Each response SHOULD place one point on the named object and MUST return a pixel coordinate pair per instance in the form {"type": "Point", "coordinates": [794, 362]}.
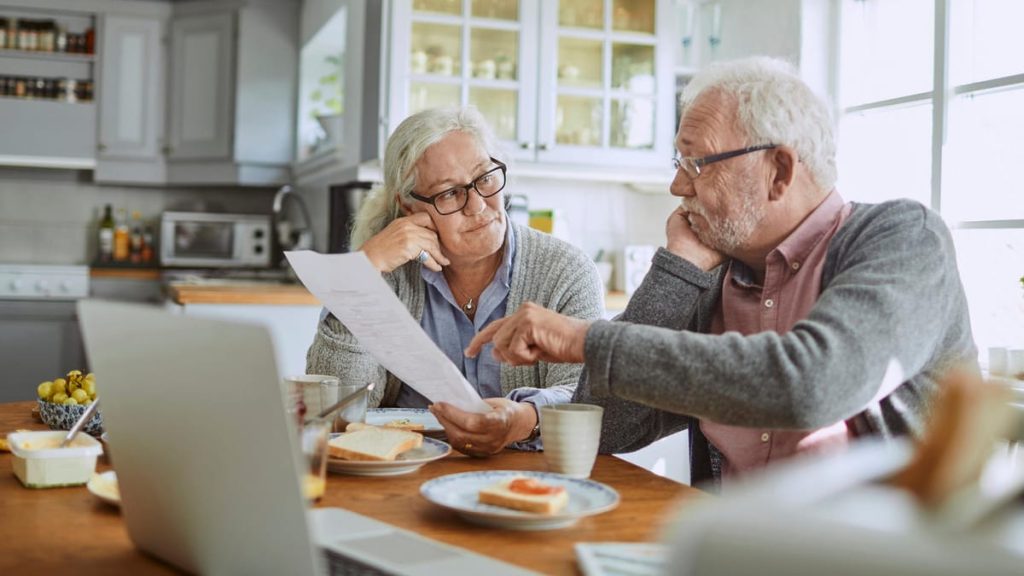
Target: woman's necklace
{"type": "Point", "coordinates": [470, 307]}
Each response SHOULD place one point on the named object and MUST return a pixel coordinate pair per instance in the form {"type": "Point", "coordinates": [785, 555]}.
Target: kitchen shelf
{"type": "Point", "coordinates": [55, 56]}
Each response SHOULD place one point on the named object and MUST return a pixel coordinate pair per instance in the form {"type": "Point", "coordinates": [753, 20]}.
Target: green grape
{"type": "Point", "coordinates": [80, 395]}
{"type": "Point", "coordinates": [72, 386]}
{"type": "Point", "coordinates": [45, 390]}
{"type": "Point", "coordinates": [58, 398]}
{"type": "Point", "coordinates": [90, 376]}
{"type": "Point", "coordinates": [90, 388]}
{"type": "Point", "coordinates": [74, 374]}
{"type": "Point", "coordinates": [59, 385]}
{"type": "Point", "coordinates": [70, 402]}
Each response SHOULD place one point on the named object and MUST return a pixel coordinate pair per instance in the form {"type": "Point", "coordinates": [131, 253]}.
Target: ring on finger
{"type": "Point", "coordinates": [468, 446]}
{"type": "Point", "coordinates": [423, 255]}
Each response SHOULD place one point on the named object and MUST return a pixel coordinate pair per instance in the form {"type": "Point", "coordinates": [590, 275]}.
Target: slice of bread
{"type": "Point", "coordinates": [402, 424]}
{"type": "Point", "coordinates": [372, 443]}
{"type": "Point", "coordinates": [500, 495]}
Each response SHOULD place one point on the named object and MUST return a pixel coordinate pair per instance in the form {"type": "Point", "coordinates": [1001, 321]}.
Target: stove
{"type": "Point", "coordinates": [39, 325]}
{"type": "Point", "coordinates": [41, 282]}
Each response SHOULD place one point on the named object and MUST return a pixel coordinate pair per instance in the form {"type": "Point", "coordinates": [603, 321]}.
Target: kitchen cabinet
{"type": "Point", "coordinates": [232, 97]}
{"type": "Point", "coordinates": [573, 81]}
{"type": "Point", "coordinates": [131, 102]}
{"type": "Point", "coordinates": [41, 90]}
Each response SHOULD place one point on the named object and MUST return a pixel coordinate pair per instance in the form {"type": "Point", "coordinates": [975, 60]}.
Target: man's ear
{"type": "Point", "coordinates": [784, 160]}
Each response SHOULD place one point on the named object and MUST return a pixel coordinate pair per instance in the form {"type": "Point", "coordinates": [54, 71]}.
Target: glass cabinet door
{"type": "Point", "coordinates": [479, 52]}
{"type": "Point", "coordinates": [600, 86]}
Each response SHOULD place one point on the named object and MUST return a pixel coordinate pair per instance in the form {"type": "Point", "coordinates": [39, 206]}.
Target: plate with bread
{"type": "Point", "coordinates": [365, 450]}
{"type": "Point", "coordinates": [520, 500]}
{"type": "Point", "coordinates": [414, 419]}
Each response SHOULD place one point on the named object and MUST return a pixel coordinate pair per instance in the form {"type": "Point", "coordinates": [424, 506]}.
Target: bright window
{"type": "Point", "coordinates": [918, 99]}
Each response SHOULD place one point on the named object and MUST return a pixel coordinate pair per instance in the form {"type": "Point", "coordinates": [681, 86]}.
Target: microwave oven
{"type": "Point", "coordinates": [200, 239]}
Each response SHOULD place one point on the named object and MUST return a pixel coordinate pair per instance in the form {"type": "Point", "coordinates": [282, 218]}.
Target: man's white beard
{"type": "Point", "coordinates": [727, 235]}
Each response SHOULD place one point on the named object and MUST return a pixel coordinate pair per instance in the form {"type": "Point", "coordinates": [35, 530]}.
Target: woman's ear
{"type": "Point", "coordinates": [784, 160]}
{"type": "Point", "coordinates": [403, 208]}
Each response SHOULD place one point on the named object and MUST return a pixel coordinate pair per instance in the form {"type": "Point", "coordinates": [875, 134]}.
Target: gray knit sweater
{"type": "Point", "coordinates": [545, 271]}
{"type": "Point", "coordinates": [889, 289]}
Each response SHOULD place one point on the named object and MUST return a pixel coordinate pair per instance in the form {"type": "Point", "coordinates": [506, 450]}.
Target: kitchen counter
{"type": "Point", "coordinates": [240, 292]}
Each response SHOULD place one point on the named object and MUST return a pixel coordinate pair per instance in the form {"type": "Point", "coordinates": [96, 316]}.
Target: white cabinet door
{"type": "Point", "coordinates": [131, 88]}
{"type": "Point", "coordinates": [202, 86]}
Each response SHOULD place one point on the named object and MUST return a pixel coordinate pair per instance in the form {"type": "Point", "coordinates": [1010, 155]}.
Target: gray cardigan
{"type": "Point", "coordinates": [889, 289]}
{"type": "Point", "coordinates": [545, 270]}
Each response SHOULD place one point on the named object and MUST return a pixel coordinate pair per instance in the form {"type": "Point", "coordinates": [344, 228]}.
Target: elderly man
{"type": "Point", "coordinates": [778, 319]}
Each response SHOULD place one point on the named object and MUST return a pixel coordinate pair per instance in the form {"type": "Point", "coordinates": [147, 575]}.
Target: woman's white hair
{"type": "Point", "coordinates": [404, 148]}
{"type": "Point", "coordinates": [774, 107]}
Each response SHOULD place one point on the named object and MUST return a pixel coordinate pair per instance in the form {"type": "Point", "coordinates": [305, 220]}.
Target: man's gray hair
{"type": "Point", "coordinates": [774, 107]}
{"type": "Point", "coordinates": [404, 148]}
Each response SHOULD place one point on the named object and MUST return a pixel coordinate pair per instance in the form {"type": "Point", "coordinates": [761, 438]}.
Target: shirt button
{"type": "Point", "coordinates": [769, 303]}
{"type": "Point", "coordinates": [766, 437]}
{"type": "Point", "coordinates": [795, 265]}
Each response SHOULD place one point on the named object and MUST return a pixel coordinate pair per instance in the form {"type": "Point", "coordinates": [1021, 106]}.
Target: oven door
{"type": "Point", "coordinates": [40, 341]}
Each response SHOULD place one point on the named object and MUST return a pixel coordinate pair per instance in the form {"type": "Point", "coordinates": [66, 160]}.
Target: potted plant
{"type": "Point", "coordinates": [327, 99]}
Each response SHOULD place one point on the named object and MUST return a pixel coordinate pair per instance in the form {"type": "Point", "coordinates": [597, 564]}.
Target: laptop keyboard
{"type": "Point", "coordinates": [338, 565]}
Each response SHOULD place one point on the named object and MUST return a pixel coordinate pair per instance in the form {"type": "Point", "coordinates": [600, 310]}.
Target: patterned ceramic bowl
{"type": "Point", "coordinates": [61, 417]}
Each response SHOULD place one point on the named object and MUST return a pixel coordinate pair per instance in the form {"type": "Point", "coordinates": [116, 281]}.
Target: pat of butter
{"type": "Point", "coordinates": [39, 463]}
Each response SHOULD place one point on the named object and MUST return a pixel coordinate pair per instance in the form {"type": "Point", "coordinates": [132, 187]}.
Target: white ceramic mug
{"type": "Point", "coordinates": [307, 387]}
{"type": "Point", "coordinates": [571, 434]}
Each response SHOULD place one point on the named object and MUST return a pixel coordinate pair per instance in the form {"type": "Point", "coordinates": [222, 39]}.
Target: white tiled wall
{"type": "Point", "coordinates": [50, 216]}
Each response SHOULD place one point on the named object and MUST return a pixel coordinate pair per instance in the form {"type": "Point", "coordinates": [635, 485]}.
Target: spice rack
{"type": "Point", "coordinates": [46, 55]}
{"type": "Point", "coordinates": [46, 85]}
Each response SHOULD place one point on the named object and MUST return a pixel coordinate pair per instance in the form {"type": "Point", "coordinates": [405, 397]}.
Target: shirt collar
{"type": "Point", "coordinates": [815, 227]}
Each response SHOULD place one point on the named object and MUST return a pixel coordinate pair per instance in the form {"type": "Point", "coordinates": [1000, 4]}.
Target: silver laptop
{"type": "Point", "coordinates": [201, 443]}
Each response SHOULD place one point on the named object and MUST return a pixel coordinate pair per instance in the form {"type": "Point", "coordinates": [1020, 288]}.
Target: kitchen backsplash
{"type": "Point", "coordinates": [50, 216]}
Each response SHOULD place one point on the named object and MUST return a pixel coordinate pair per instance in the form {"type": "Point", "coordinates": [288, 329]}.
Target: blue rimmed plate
{"type": "Point", "coordinates": [405, 463]}
{"type": "Point", "coordinates": [459, 493]}
{"type": "Point", "coordinates": [385, 416]}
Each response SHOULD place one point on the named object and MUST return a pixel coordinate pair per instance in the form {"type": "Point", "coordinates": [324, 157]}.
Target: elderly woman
{"type": "Point", "coordinates": [438, 231]}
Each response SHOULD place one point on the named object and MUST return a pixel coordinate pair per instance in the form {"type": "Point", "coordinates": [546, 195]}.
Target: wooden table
{"type": "Point", "coordinates": [67, 530]}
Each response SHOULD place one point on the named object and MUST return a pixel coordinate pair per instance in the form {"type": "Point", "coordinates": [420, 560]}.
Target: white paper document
{"type": "Point", "coordinates": [353, 290]}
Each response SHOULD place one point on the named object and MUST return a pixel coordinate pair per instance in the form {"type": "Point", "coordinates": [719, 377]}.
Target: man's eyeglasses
{"type": "Point", "coordinates": [692, 166]}
{"type": "Point", "coordinates": [455, 199]}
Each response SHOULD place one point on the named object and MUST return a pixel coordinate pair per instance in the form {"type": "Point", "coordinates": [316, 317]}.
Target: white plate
{"type": "Point", "coordinates": [406, 462]}
{"type": "Point", "coordinates": [381, 416]}
{"type": "Point", "coordinates": [458, 492]}
{"type": "Point", "coordinates": [104, 487]}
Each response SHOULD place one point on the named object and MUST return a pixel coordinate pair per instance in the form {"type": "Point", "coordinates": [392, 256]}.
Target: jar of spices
{"type": "Point", "coordinates": [70, 90]}
{"type": "Point", "coordinates": [3, 33]}
{"type": "Point", "coordinates": [90, 41]}
{"type": "Point", "coordinates": [61, 39]}
{"type": "Point", "coordinates": [46, 37]}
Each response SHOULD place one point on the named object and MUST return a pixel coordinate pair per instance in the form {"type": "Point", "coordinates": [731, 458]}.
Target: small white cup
{"type": "Point", "coordinates": [998, 361]}
{"type": "Point", "coordinates": [1015, 363]}
{"type": "Point", "coordinates": [571, 434]}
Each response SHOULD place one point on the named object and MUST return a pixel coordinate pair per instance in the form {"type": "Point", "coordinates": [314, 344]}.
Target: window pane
{"type": "Point", "coordinates": [493, 53]}
{"type": "Point", "coordinates": [578, 121]}
{"type": "Point", "coordinates": [499, 108]}
{"type": "Point", "coordinates": [633, 15]}
{"type": "Point", "coordinates": [991, 263]}
{"type": "Point", "coordinates": [442, 6]}
{"type": "Point", "coordinates": [579, 62]}
{"type": "Point", "coordinates": [886, 154]}
{"type": "Point", "coordinates": [986, 40]}
{"type": "Point", "coordinates": [632, 123]}
{"type": "Point", "coordinates": [886, 49]}
{"type": "Point", "coordinates": [436, 49]}
{"type": "Point", "coordinates": [633, 68]}
{"type": "Point", "coordinates": [498, 9]}
{"type": "Point", "coordinates": [423, 96]}
{"type": "Point", "coordinates": [981, 175]}
{"type": "Point", "coordinates": [581, 14]}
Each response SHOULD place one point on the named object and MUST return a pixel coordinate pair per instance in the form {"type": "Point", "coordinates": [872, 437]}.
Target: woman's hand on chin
{"type": "Point", "coordinates": [403, 240]}
{"type": "Point", "coordinates": [487, 433]}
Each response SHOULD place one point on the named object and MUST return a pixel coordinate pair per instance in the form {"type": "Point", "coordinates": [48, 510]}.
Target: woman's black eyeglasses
{"type": "Point", "coordinates": [455, 199]}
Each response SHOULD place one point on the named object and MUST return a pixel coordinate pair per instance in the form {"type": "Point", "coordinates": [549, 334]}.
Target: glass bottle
{"type": "Point", "coordinates": [106, 235]}
{"type": "Point", "coordinates": [136, 238]}
{"type": "Point", "coordinates": [147, 245]}
{"type": "Point", "coordinates": [122, 237]}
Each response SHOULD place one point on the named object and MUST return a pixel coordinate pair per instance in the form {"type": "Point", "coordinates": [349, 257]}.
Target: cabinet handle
{"type": "Point", "coordinates": [101, 147]}
{"type": "Point", "coordinates": [526, 145]}
{"type": "Point", "coordinates": [543, 146]}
